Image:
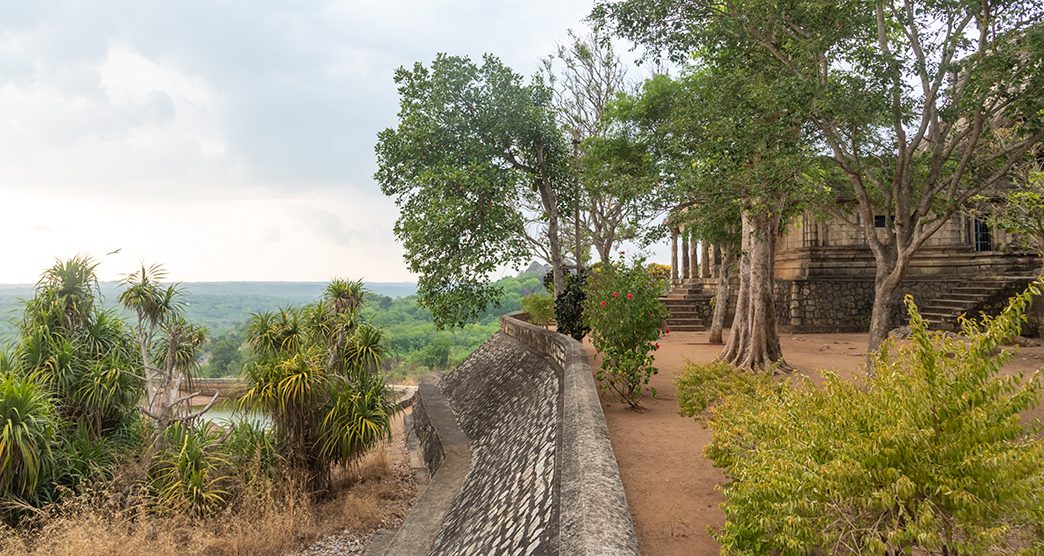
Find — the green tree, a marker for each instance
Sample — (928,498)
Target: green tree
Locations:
(732,151)
(170,346)
(616,194)
(919,106)
(226,356)
(1022,212)
(476,153)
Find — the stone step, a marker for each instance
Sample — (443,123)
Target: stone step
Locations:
(673,323)
(684,315)
(966,297)
(974,290)
(688,328)
(946,306)
(934,317)
(690,302)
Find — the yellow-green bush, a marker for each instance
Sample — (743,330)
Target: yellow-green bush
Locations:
(929,456)
(540,307)
(700,386)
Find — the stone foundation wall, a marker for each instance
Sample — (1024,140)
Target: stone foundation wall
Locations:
(844,305)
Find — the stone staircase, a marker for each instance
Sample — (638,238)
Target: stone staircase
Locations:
(972,298)
(683,302)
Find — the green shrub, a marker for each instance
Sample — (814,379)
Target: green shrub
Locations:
(188,474)
(626,317)
(540,307)
(930,456)
(700,386)
(28,424)
(569,306)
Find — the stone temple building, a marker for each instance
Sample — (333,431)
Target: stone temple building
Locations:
(824,275)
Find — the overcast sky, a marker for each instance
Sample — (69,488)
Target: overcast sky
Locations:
(228,140)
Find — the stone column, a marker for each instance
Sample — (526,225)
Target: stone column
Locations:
(694,260)
(705,260)
(674,256)
(685,256)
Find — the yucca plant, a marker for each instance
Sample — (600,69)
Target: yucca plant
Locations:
(316,372)
(188,473)
(28,426)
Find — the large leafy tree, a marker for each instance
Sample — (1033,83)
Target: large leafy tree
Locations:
(725,142)
(617,194)
(919,105)
(477,152)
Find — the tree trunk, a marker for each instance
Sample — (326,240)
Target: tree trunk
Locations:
(153,378)
(887,278)
(754,340)
(721,304)
(553,239)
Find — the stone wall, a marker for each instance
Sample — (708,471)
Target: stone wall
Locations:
(594,515)
(844,305)
(541,476)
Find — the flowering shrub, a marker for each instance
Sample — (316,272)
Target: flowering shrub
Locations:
(626,318)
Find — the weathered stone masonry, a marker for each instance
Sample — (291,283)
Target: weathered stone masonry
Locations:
(541,475)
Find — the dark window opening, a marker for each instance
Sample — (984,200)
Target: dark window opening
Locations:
(880,221)
(983,237)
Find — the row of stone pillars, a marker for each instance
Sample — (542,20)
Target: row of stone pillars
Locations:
(695,262)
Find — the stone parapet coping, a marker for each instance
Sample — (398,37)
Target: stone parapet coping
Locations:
(594,517)
(447,455)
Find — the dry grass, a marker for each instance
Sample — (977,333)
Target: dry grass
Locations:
(278,520)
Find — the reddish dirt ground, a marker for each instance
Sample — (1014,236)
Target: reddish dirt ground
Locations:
(669,485)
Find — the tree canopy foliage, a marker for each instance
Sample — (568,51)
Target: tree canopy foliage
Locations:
(476,152)
(917,105)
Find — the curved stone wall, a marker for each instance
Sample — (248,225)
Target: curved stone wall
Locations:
(542,478)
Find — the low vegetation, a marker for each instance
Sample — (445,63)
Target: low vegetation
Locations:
(931,455)
(540,307)
(95,431)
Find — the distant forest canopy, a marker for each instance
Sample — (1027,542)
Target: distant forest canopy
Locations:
(224,307)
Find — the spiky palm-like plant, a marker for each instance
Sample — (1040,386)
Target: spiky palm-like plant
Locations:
(80,353)
(316,371)
(188,474)
(170,346)
(28,426)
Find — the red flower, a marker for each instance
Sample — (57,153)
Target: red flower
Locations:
(616,294)
(630,296)
(621,252)
(603,304)
(668,331)
(657,346)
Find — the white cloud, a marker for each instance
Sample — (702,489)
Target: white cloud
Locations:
(227,140)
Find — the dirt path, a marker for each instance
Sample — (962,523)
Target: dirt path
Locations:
(669,485)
